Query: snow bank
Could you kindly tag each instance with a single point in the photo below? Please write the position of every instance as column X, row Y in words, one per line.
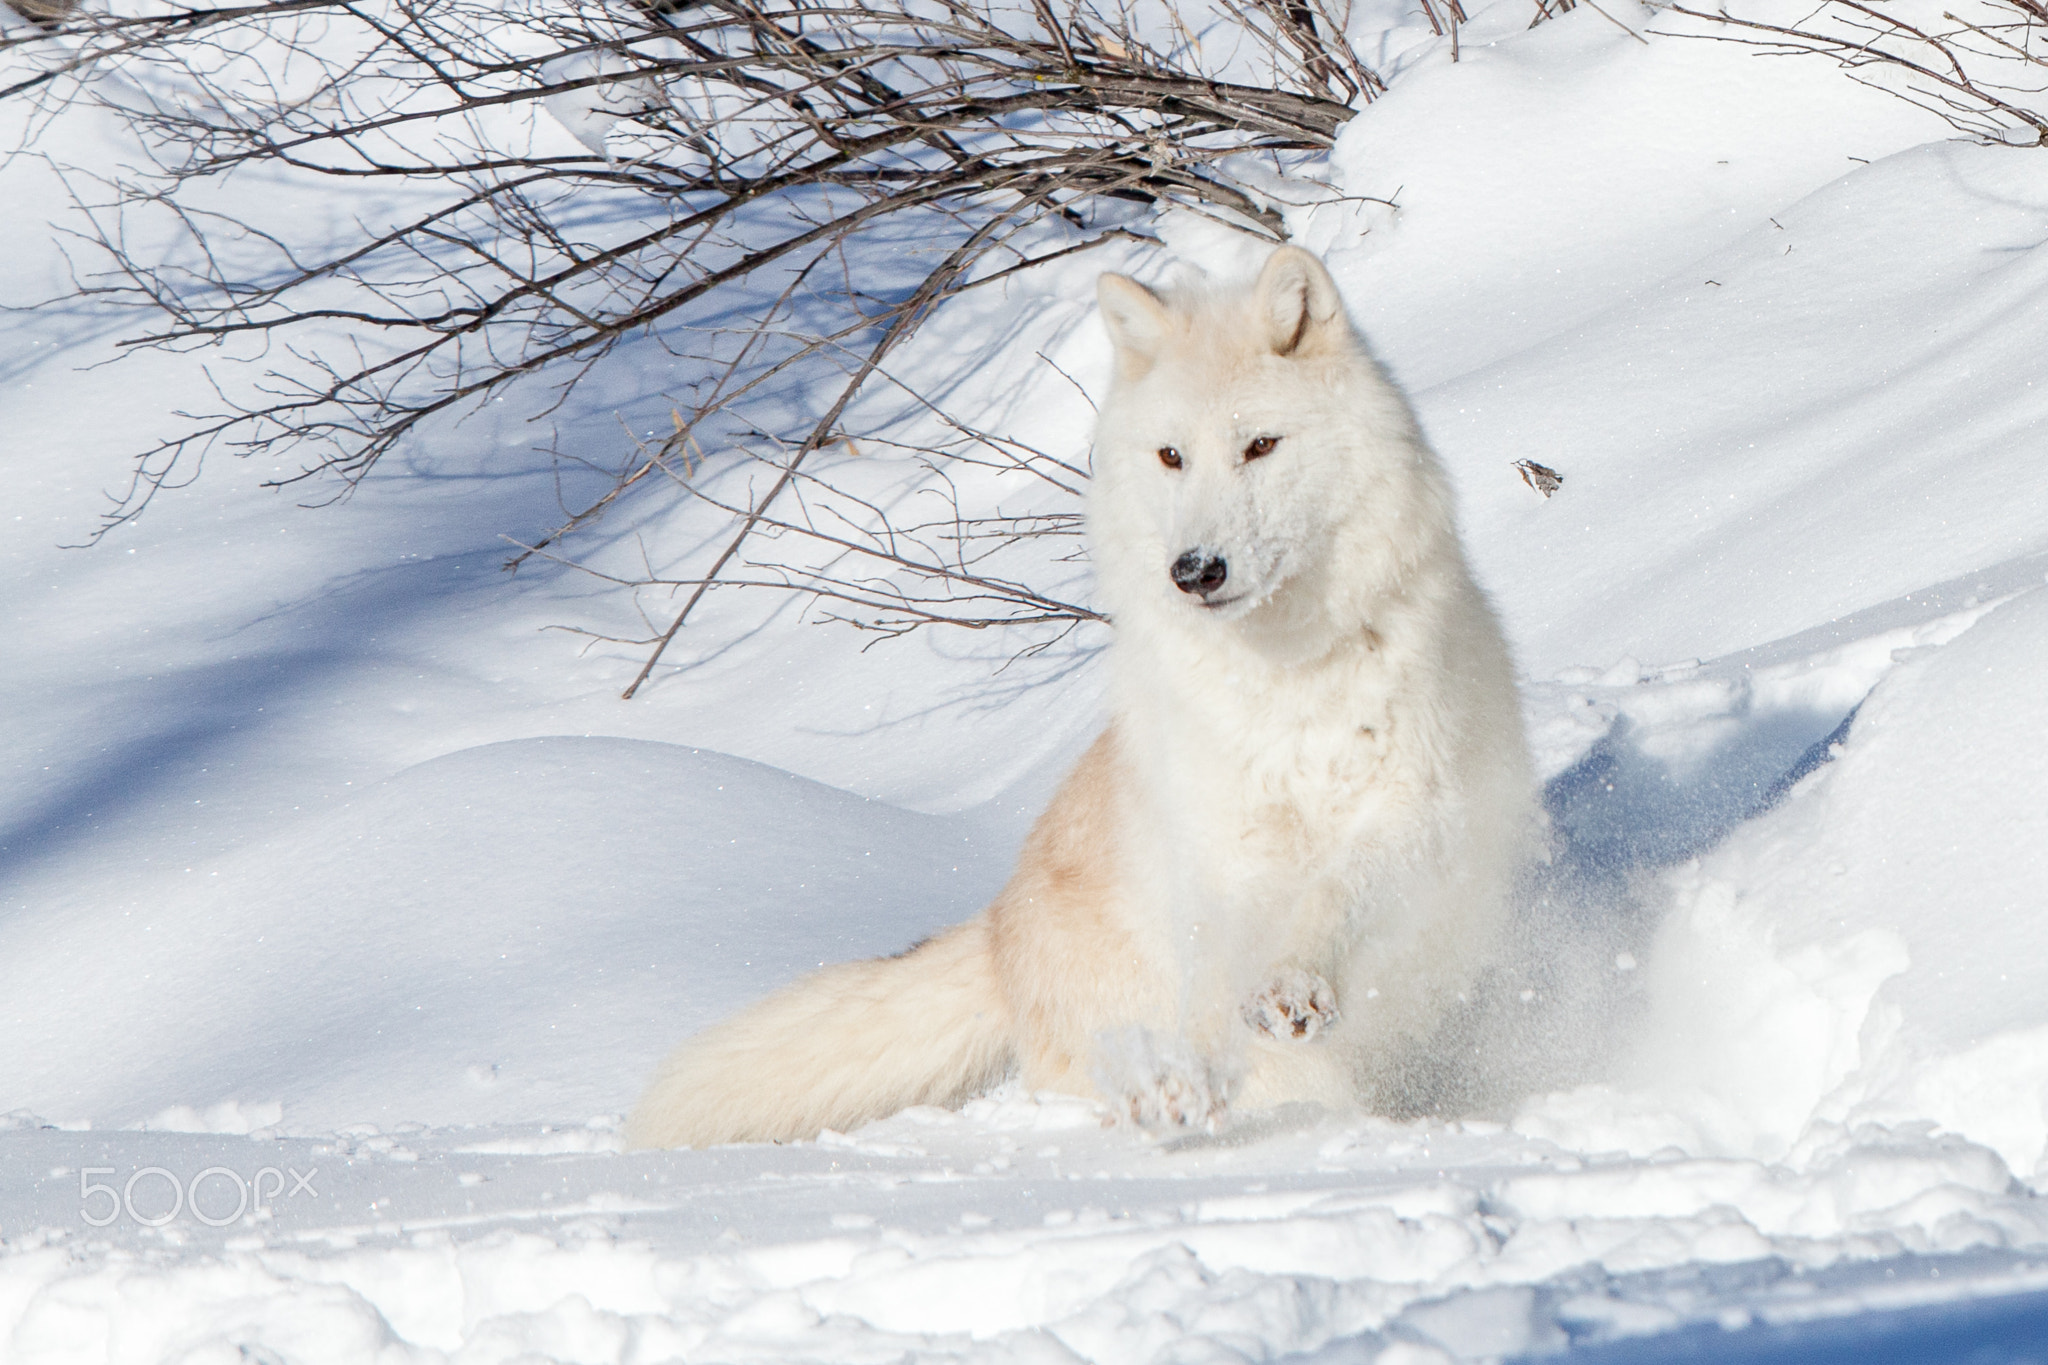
column 1059, row 1242
column 1829, row 413
column 1822, row 968
column 516, row 931
column 1861, row 954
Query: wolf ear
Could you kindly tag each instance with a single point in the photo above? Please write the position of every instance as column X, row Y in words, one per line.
column 1136, row 318
column 1298, row 302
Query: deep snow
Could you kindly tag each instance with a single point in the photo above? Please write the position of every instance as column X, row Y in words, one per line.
column 325, row 870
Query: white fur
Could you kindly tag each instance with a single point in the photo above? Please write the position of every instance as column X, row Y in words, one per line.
column 1292, row 848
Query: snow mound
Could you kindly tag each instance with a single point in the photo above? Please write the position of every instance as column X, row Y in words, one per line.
column 1855, row 955
column 511, row 931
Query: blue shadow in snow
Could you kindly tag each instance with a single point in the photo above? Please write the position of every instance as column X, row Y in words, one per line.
column 176, row 734
column 2002, row 1330
column 1548, row 1014
column 2007, row 1330
column 1969, row 1322
column 1620, row 810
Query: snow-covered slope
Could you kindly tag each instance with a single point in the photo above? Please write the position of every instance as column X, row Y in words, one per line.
column 471, row 940
column 332, row 882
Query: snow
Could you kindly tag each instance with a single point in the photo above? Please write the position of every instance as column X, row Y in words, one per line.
column 464, row 941
column 333, row 882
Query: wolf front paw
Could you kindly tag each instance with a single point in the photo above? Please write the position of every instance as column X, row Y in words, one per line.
column 1176, row 1100
column 1295, row 1006
column 1158, row 1082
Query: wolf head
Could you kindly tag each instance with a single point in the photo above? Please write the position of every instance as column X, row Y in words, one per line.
column 1255, row 470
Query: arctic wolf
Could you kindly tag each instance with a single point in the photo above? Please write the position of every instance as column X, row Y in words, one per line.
column 1290, row 849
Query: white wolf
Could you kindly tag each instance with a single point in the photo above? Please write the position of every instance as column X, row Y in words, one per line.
column 1292, row 847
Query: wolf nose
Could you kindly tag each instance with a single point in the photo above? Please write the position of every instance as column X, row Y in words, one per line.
column 1199, row 573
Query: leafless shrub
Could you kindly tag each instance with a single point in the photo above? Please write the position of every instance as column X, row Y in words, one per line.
column 774, row 195
column 1981, row 65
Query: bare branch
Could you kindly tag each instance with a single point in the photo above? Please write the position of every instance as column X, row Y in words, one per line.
column 535, row 192
column 1961, row 74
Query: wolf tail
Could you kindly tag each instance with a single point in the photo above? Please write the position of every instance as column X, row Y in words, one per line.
column 848, row 1044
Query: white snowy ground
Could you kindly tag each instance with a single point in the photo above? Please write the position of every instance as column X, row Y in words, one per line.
column 325, row 872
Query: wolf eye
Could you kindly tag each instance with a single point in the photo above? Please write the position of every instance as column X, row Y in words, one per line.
column 1261, row 448
column 1169, row 457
